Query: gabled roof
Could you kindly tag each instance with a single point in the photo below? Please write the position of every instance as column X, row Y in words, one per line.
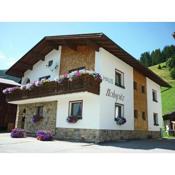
column 95, row 40
column 8, row 82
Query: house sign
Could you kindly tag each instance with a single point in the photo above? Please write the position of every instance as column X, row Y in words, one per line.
column 114, row 95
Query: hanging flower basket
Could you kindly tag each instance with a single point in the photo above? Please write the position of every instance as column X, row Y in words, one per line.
column 120, row 120
column 36, row 118
column 18, row 133
column 73, row 119
column 43, row 135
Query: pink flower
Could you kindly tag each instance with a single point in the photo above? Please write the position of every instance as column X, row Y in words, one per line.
column 77, row 73
column 65, row 75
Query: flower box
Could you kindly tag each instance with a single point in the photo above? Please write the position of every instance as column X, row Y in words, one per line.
column 120, row 120
column 36, row 118
column 73, row 119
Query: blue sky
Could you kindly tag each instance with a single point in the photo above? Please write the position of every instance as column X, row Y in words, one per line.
column 17, row 38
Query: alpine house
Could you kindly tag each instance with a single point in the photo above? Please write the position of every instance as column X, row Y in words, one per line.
column 85, row 87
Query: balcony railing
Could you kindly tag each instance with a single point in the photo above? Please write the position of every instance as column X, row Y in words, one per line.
column 81, row 83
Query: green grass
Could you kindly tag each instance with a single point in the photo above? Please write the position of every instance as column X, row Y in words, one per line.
column 168, row 94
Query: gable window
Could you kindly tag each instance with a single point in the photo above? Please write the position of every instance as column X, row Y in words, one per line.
column 44, row 78
column 135, row 85
column 143, row 89
column 39, row 111
column 143, row 116
column 135, row 113
column 154, row 94
column 155, row 119
column 119, row 110
column 119, row 78
column 77, row 69
column 75, row 109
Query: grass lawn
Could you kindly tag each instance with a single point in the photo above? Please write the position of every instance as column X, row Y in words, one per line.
column 168, row 94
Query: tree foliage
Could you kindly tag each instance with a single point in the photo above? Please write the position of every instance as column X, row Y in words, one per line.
column 157, row 56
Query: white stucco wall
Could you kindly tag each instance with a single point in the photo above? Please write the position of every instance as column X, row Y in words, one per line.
column 90, row 113
column 106, row 64
column 40, row 69
column 153, row 107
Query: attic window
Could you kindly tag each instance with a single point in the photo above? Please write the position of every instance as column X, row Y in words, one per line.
column 50, row 63
column 77, row 69
column 44, row 78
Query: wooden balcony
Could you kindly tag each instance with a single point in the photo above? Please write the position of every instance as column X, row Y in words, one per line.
column 82, row 83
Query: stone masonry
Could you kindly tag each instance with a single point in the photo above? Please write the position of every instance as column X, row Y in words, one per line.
column 93, row 135
column 47, row 123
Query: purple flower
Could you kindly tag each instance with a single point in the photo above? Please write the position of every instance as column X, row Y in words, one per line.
column 44, row 135
column 29, row 86
column 37, row 83
column 18, row 133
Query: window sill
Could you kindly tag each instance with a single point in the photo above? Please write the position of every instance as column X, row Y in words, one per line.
column 120, row 86
column 155, row 101
column 156, row 124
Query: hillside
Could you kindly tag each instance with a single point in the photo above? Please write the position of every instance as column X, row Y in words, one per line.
column 4, row 75
column 168, row 95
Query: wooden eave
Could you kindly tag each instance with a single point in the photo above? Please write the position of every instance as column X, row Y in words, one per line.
column 95, row 40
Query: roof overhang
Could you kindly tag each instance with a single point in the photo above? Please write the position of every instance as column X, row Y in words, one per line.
column 95, row 40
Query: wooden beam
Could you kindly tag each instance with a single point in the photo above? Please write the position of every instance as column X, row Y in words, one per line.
column 38, row 55
column 70, row 45
column 93, row 44
column 26, row 66
column 53, row 44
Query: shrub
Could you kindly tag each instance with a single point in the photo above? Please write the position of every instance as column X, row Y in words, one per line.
column 18, row 133
column 159, row 66
column 44, row 135
column 172, row 73
column 171, row 62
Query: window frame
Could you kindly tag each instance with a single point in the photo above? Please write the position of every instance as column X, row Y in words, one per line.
column 122, row 110
column 44, row 77
column 154, row 98
column 122, row 83
column 70, row 108
column 38, row 108
column 135, row 85
column 143, row 89
column 144, row 115
column 155, row 120
column 77, row 69
column 135, row 113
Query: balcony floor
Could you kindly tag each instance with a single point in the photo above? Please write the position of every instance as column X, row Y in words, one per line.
column 77, row 95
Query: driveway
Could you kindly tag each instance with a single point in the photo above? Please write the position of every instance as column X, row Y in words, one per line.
column 31, row 145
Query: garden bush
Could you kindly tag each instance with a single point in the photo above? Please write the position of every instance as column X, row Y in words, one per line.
column 172, row 73
column 44, row 135
column 18, row 133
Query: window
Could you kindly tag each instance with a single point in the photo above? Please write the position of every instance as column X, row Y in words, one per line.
column 119, row 110
column 119, row 78
column 135, row 85
column 39, row 111
column 143, row 116
column 50, row 63
column 75, row 109
column 135, row 113
column 154, row 93
column 155, row 118
column 143, row 89
column 77, row 69
column 44, row 78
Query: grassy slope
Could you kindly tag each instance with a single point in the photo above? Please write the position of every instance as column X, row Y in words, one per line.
column 168, row 95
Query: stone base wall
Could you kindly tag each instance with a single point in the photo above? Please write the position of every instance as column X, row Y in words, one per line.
column 96, row 136
column 47, row 123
